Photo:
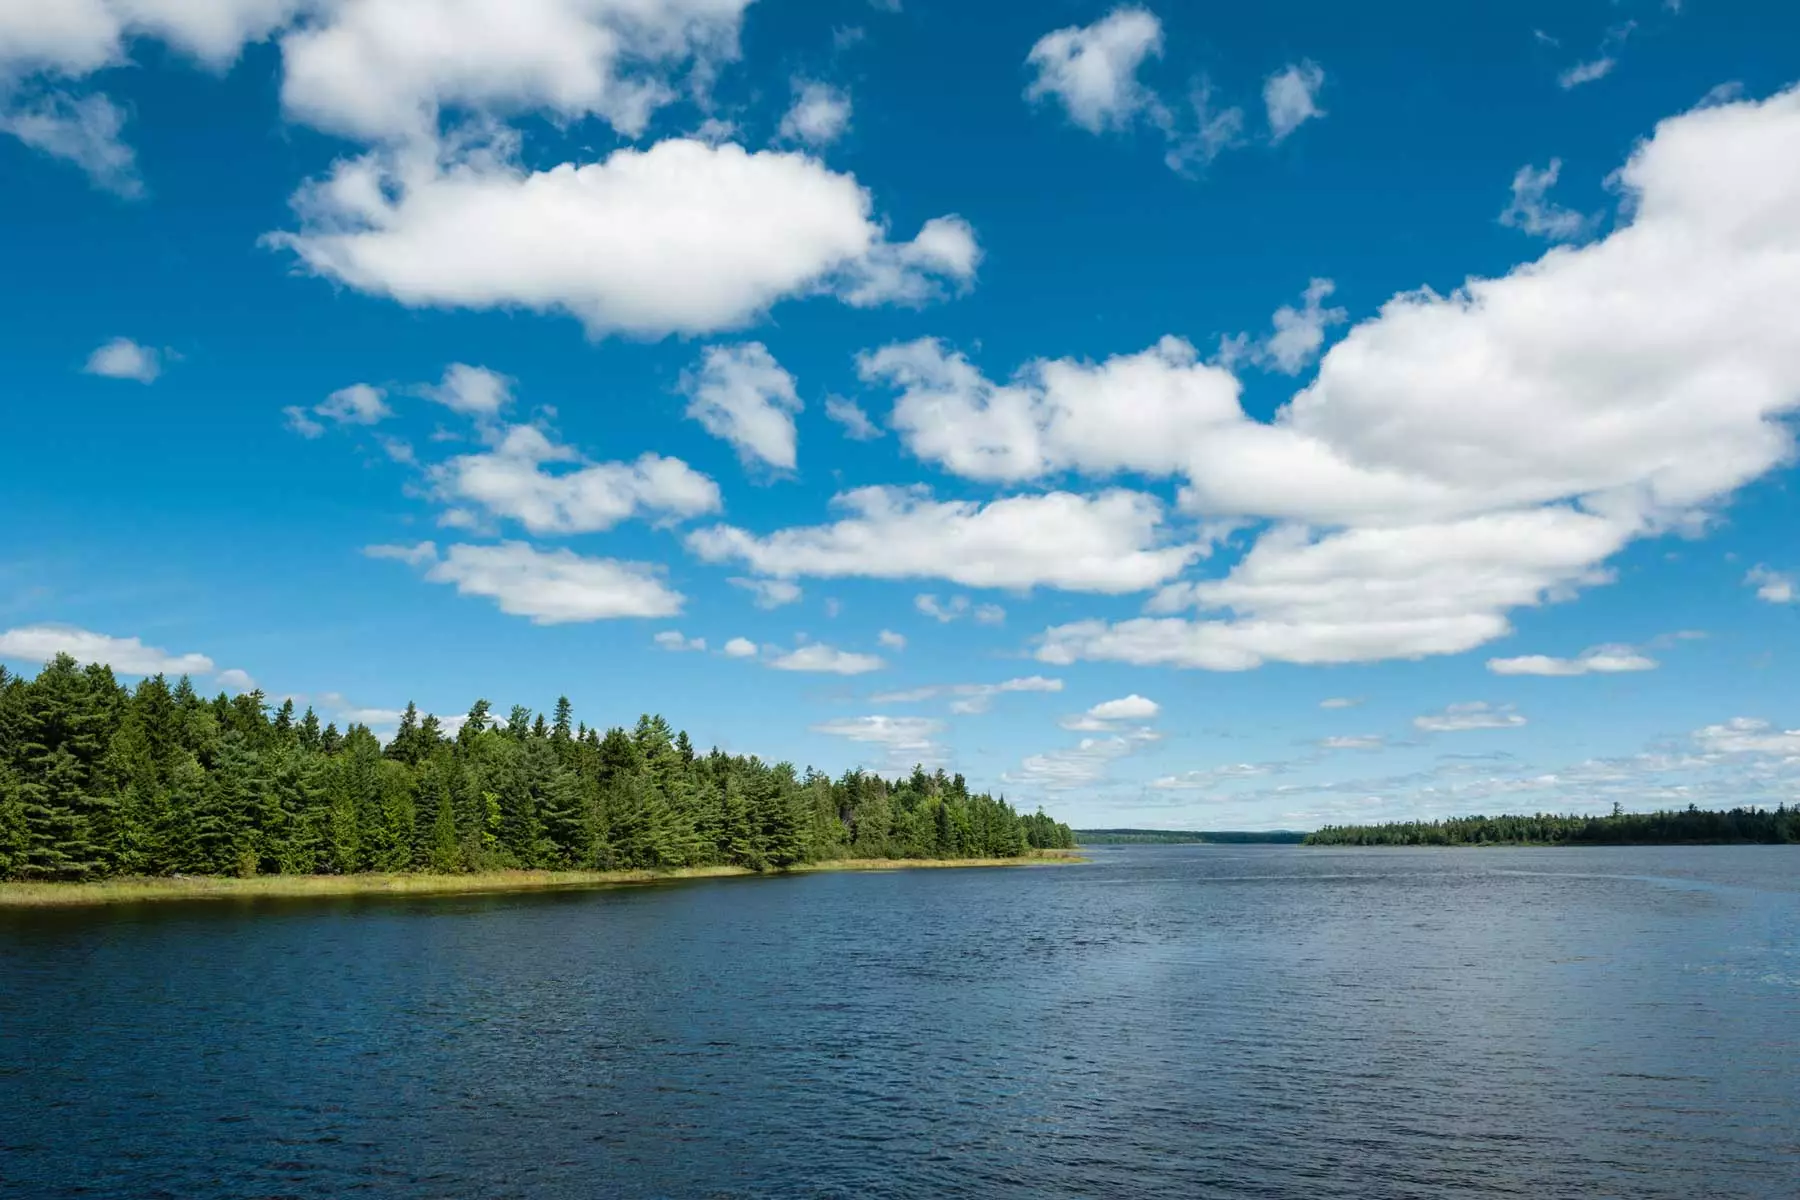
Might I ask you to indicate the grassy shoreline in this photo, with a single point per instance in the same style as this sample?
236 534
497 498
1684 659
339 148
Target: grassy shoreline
212 887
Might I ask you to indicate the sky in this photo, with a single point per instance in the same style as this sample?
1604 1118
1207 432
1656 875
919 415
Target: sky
1183 416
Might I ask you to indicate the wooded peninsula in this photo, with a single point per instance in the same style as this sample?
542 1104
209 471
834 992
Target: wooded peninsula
1687 826
98 781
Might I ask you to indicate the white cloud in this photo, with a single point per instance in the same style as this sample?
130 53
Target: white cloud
1103 543
1214 131
1772 586
850 415
412 556
1084 765
472 391
127 656
1462 717
819 116
1748 735
358 404
939 611
1532 212
514 479
552 587
1461 456
1213 776
903 740
1365 741
1290 97
1140 412
816 656
1340 702
1092 70
236 680
84 131
742 395
891 640
971 697
1587 72
365 70
1128 708
674 639
123 358
301 423
739 647
1602 64
1298 336
768 593
681 237
1600 660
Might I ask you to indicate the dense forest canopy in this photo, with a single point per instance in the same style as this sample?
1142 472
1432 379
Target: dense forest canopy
99 780
1619 828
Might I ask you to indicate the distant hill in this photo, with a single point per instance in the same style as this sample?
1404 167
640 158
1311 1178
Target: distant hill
1178 837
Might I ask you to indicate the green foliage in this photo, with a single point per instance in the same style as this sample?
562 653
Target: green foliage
97 780
1689 825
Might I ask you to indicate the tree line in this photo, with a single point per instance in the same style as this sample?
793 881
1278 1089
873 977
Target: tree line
1187 837
1619 828
100 780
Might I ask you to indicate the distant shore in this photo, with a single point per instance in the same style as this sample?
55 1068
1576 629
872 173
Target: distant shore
208 887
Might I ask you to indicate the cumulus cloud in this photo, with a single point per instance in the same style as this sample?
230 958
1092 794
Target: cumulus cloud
1105 543
850 415
742 395
1748 735
1128 708
236 680
1461 456
127 656
819 116
901 740
768 593
472 391
1364 741
892 640
518 479
82 130
740 647
1086 764
1775 587
674 639
551 587
123 358
1475 715
412 556
816 656
1600 660
1298 335
956 608
970 698
1141 412
1533 212
681 237
1290 97
1092 70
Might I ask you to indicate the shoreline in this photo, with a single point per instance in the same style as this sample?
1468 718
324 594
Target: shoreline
133 890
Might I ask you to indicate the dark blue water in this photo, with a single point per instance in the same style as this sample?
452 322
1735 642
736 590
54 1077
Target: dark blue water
1165 1022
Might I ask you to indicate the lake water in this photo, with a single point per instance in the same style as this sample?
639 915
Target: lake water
1162 1022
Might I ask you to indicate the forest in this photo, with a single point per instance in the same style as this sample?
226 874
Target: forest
98 780
1691 825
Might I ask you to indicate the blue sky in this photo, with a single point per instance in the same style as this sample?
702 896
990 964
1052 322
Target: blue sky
1183 416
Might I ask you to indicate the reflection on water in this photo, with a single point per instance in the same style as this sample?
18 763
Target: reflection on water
1165 1021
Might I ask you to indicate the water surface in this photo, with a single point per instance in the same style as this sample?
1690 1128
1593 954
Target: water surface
1162 1022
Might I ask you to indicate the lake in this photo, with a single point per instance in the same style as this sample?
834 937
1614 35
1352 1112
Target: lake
1161 1022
